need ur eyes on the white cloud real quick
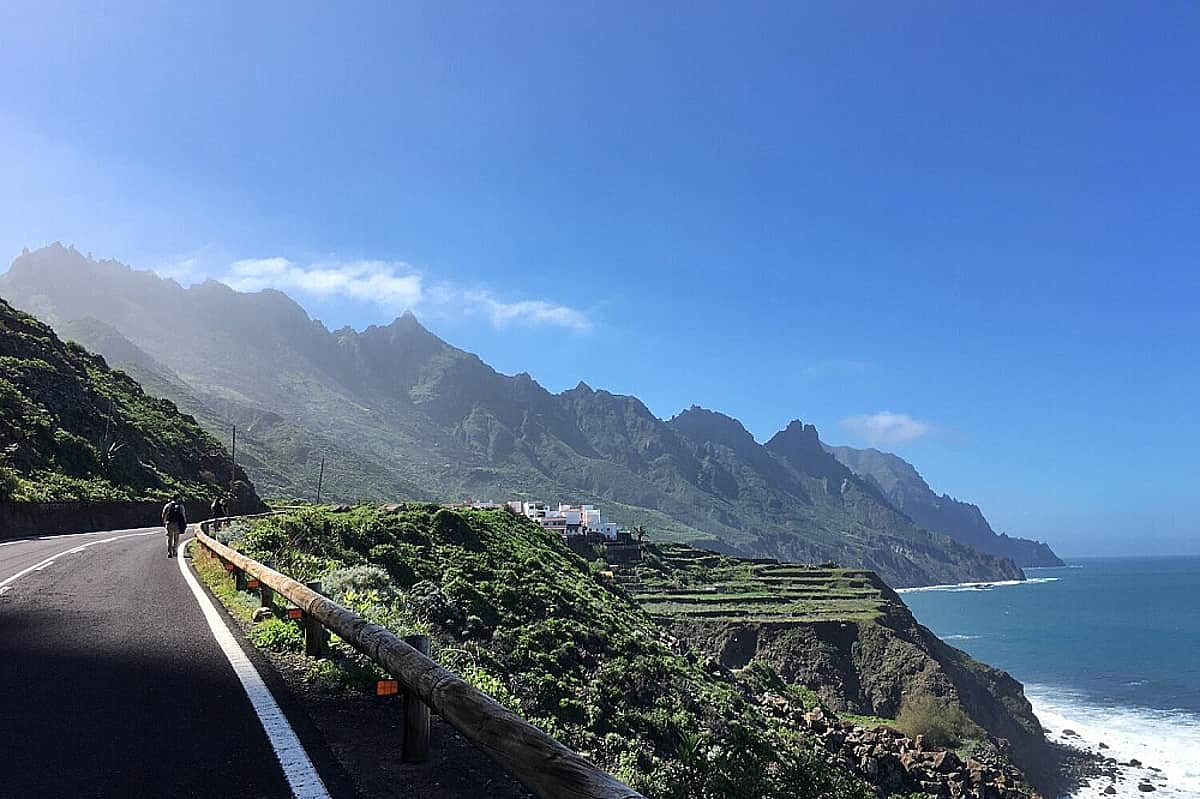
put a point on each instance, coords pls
(531, 312)
(395, 286)
(886, 427)
(391, 285)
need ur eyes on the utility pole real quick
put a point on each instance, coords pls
(233, 468)
(320, 477)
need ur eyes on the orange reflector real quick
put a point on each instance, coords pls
(252, 583)
(387, 687)
(228, 567)
(295, 613)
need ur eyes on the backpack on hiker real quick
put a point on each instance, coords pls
(174, 518)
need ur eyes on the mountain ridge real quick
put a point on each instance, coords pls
(905, 488)
(413, 415)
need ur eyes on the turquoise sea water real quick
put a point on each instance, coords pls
(1108, 647)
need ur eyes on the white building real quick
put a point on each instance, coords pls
(567, 519)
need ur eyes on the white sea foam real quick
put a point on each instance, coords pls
(1166, 740)
(958, 637)
(977, 586)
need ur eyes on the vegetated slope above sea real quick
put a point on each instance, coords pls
(847, 638)
(401, 413)
(71, 428)
(908, 492)
(514, 611)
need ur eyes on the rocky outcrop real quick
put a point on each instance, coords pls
(895, 764)
(869, 667)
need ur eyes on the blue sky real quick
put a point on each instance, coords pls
(965, 232)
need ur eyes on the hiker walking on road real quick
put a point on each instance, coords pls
(174, 518)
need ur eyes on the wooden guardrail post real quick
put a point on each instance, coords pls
(316, 639)
(239, 579)
(265, 595)
(416, 713)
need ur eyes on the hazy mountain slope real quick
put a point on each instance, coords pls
(402, 414)
(907, 490)
(283, 456)
(72, 428)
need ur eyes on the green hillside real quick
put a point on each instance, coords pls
(71, 428)
(513, 610)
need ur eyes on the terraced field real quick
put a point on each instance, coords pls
(675, 581)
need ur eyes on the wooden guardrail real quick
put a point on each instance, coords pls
(542, 764)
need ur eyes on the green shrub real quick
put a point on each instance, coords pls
(431, 604)
(336, 676)
(9, 483)
(941, 723)
(277, 635)
(392, 559)
(359, 580)
(234, 531)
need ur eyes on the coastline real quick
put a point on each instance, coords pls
(1133, 751)
(978, 586)
(1108, 661)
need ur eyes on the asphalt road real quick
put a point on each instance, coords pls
(111, 681)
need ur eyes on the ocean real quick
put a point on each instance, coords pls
(1108, 648)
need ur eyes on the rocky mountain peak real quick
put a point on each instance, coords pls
(408, 321)
(404, 332)
(800, 444)
(797, 433)
(703, 425)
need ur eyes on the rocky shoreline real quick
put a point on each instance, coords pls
(896, 764)
(1093, 772)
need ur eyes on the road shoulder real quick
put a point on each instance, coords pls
(335, 778)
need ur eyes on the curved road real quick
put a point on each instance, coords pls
(112, 682)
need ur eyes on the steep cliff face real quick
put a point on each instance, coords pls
(903, 486)
(870, 667)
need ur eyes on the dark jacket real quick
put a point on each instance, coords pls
(174, 512)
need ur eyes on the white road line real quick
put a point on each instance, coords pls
(44, 563)
(297, 767)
